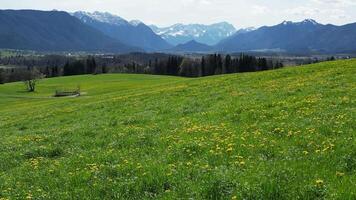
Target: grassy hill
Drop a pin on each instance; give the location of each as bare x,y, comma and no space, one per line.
283,134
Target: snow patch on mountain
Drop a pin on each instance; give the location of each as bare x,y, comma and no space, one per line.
207,34
101,17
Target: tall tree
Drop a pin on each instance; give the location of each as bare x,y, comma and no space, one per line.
203,66
262,64
2,76
219,64
31,78
227,65
90,65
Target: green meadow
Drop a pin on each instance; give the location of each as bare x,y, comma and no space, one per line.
282,134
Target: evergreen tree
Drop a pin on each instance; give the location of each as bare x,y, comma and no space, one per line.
2,76
55,71
203,66
47,72
90,65
227,65
219,64
75,68
262,63
104,69
66,69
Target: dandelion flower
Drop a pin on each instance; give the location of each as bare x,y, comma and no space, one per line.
319,182
229,149
340,174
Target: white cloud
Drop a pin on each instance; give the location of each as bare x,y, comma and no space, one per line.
259,10
241,13
338,3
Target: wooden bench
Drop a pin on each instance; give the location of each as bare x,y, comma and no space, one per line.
66,93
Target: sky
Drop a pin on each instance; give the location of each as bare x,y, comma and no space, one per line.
240,13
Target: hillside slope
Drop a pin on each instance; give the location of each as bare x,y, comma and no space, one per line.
192,46
53,31
283,134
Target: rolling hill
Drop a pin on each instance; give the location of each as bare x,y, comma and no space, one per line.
133,33
282,134
53,31
192,46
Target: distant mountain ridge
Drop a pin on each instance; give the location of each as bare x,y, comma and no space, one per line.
53,31
206,34
192,46
307,36
133,33
104,32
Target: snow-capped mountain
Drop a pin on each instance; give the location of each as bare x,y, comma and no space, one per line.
245,30
135,22
104,17
304,22
133,33
207,34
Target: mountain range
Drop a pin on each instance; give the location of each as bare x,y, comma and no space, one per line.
53,31
104,32
307,36
206,34
134,33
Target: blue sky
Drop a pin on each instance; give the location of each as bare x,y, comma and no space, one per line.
241,13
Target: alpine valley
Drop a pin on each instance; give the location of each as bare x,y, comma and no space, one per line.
105,32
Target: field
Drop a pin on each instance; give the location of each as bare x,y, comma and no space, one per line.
283,134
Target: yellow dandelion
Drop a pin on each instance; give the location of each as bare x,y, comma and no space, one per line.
319,182
340,174
229,149
29,196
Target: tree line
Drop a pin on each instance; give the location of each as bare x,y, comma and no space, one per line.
214,64
159,64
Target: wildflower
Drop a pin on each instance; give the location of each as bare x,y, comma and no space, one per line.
340,174
319,182
205,166
234,198
29,196
305,152
229,149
